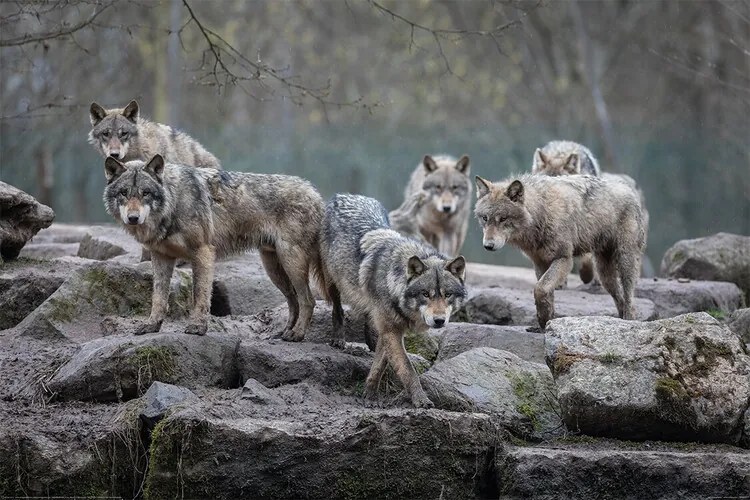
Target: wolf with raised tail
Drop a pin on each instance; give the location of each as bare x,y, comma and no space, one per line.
198,214
398,282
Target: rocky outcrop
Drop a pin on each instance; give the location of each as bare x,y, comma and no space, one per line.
721,257
683,379
21,217
456,338
23,288
739,323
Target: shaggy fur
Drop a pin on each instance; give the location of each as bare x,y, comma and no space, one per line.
564,158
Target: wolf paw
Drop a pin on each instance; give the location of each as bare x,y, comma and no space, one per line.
422,402
147,327
292,336
197,328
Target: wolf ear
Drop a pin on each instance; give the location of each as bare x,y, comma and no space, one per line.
539,160
463,164
429,164
155,167
457,267
112,169
573,164
483,186
131,111
515,191
96,113
415,267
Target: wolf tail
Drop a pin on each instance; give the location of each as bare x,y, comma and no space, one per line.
318,274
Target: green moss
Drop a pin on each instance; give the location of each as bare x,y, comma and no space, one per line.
609,358
153,363
161,455
707,353
717,314
62,310
669,388
421,343
564,359
530,398
678,255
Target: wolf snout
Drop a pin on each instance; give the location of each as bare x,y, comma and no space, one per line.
489,246
439,322
115,155
446,209
133,219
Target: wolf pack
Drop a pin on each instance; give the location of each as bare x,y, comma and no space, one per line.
401,269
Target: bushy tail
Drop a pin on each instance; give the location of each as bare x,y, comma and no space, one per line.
318,274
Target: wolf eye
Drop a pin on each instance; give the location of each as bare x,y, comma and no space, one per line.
123,134
502,219
146,192
448,295
105,134
123,192
426,294
485,218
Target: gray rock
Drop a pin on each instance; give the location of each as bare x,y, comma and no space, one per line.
683,379
242,287
23,289
107,242
47,251
159,398
739,323
720,257
62,233
507,306
520,394
491,276
21,217
551,473
259,393
122,367
456,338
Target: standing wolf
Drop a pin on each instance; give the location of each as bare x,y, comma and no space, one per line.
197,214
553,219
564,158
443,218
400,283
125,136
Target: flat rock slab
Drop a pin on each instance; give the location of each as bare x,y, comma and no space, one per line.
63,233
108,242
456,338
491,276
520,394
684,379
21,217
507,306
48,251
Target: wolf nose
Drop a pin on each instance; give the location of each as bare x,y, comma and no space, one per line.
133,219
439,322
489,246
446,209
115,155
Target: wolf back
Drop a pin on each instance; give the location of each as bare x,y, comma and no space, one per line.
564,158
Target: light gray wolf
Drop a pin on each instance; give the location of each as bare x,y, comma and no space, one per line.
443,218
553,219
400,283
198,214
404,218
124,135
564,158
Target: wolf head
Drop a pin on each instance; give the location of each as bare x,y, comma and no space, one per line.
134,190
114,130
446,182
500,211
435,288
565,164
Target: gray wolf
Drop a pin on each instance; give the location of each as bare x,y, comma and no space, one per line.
198,214
564,158
399,282
443,218
404,218
553,219
124,135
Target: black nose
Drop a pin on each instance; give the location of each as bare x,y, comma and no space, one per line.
115,155
439,322
446,209
133,219
489,246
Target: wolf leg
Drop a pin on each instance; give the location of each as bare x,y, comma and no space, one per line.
628,267
544,291
279,278
296,264
395,353
379,363
370,339
203,276
163,267
607,271
586,271
338,338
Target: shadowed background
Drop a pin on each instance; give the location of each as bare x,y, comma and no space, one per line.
351,94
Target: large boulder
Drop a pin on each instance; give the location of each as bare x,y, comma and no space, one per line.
739,323
242,287
720,257
108,242
456,338
21,217
62,233
24,286
682,379
507,306
521,395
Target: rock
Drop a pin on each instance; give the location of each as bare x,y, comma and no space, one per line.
674,297
507,306
720,257
259,394
456,338
23,289
422,344
739,323
242,287
107,242
682,379
161,397
491,276
745,440
337,451
550,473
62,233
520,394
21,217
74,312
47,251
122,367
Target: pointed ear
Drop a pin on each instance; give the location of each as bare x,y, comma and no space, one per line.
131,111
415,267
429,164
539,160
463,165
573,164
155,167
515,191
96,113
457,267
112,169
483,186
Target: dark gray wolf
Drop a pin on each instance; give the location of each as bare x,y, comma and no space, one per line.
443,218
400,283
197,214
564,158
553,219
125,136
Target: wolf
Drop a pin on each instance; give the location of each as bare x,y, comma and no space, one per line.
553,219
398,282
443,218
198,214
404,218
564,158
125,136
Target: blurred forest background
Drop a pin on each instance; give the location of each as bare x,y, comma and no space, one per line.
352,93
